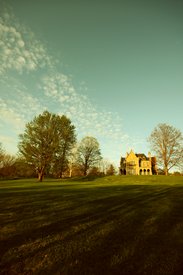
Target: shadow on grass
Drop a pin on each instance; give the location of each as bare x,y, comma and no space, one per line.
86,178
110,230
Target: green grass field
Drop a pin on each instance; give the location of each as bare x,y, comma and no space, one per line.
111,225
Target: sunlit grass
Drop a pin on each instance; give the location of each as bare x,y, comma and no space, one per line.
111,225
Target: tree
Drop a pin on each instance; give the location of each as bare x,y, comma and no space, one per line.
104,165
2,153
111,170
8,169
24,169
67,139
46,138
72,161
95,171
167,142
7,164
88,154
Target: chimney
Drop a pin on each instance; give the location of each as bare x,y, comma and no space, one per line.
149,156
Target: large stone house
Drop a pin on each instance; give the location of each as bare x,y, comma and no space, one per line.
138,164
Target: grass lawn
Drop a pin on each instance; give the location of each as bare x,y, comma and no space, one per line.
112,225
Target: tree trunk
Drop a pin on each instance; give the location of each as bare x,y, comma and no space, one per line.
85,168
85,171
40,175
70,171
166,171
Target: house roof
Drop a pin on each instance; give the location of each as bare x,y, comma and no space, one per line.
142,156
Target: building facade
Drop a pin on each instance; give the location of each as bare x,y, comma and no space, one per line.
138,164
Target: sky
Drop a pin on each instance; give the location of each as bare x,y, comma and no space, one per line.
115,68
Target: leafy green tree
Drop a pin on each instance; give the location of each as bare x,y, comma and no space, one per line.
167,142
24,169
88,154
67,139
47,138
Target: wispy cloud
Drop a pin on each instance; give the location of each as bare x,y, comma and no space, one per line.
17,107
9,115
19,48
10,142
59,87
20,52
11,123
87,117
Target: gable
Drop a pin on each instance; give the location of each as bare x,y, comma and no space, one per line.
131,157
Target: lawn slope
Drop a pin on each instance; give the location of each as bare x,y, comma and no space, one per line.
112,225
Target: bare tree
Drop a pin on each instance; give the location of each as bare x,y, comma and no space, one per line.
8,169
2,153
7,164
107,168
88,154
72,159
104,165
167,142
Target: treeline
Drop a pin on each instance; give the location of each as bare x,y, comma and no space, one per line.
48,147
12,167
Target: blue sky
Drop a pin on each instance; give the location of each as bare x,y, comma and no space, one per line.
115,68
